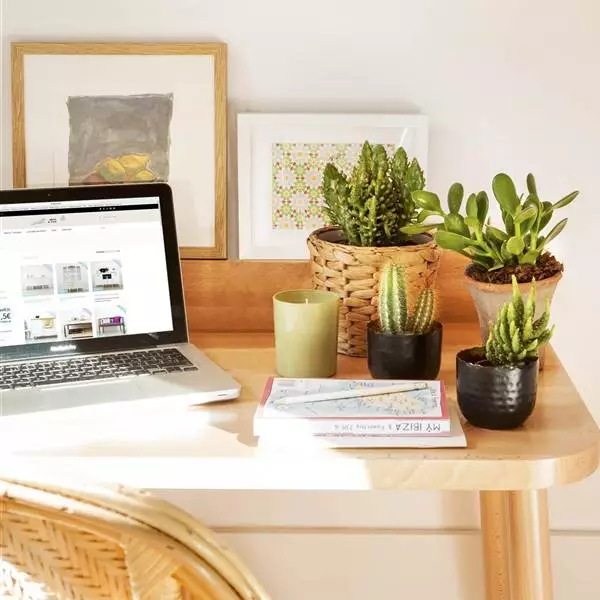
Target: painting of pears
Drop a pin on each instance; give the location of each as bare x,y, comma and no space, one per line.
119,139
126,168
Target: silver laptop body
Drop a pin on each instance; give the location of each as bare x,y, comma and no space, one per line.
91,303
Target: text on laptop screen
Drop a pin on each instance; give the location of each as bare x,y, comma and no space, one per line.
82,269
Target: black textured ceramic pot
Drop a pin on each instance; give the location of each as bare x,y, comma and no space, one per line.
404,356
495,397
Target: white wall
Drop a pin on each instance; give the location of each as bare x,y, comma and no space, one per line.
508,85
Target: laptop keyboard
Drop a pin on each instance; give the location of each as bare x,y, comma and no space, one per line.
91,368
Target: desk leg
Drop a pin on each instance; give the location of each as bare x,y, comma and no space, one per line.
530,545
495,527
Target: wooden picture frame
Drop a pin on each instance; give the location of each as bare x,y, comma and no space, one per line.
281,157
188,148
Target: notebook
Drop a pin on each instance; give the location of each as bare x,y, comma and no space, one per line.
417,412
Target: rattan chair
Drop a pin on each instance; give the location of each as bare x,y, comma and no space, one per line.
62,541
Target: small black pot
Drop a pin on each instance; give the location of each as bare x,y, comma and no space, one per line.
495,397
404,355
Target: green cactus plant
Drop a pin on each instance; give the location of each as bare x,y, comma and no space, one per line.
394,317
515,335
424,312
373,204
520,243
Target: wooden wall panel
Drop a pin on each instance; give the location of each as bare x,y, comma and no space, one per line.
236,295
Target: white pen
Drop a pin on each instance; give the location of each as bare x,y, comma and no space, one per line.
357,393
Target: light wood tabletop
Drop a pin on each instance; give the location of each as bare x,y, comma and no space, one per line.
557,445
213,447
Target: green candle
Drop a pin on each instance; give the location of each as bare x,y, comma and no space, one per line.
306,331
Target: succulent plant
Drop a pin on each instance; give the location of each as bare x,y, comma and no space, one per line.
394,315
373,204
515,335
471,234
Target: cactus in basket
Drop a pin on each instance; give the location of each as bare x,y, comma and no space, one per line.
374,203
515,335
524,216
394,315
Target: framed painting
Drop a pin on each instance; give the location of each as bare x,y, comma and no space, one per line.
281,158
95,113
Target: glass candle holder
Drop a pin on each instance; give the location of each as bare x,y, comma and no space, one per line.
306,333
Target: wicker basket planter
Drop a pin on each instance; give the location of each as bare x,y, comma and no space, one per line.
353,272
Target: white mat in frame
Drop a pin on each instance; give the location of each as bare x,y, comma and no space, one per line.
280,161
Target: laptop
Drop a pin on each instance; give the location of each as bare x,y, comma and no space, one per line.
91,303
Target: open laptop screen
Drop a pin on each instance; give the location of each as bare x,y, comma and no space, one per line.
76,270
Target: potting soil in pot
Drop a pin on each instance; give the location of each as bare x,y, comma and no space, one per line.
547,266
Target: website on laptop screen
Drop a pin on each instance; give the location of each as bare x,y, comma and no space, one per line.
82,269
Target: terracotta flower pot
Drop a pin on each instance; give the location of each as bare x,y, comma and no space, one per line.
489,297
353,272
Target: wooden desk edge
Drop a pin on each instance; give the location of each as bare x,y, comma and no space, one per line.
535,473
480,467
581,465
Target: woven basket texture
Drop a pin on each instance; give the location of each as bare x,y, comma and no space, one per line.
61,542
353,272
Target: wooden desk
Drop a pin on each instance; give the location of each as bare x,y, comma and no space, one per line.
212,447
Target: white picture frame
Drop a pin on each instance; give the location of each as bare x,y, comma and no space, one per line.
262,135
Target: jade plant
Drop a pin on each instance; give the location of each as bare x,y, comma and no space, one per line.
525,217
516,336
373,203
394,314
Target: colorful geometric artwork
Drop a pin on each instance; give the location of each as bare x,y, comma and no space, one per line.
297,174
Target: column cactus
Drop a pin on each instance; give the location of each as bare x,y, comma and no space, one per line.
394,317
424,313
393,306
515,336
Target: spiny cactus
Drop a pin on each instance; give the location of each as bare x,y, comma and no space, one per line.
423,316
375,202
515,335
393,304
